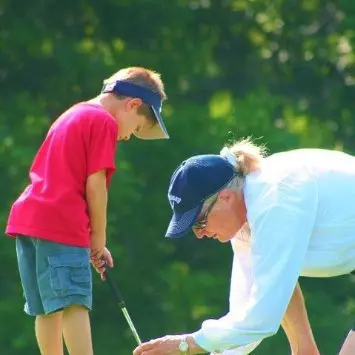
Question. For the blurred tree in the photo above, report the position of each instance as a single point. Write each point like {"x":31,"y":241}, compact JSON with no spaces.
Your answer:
{"x":281,"y":71}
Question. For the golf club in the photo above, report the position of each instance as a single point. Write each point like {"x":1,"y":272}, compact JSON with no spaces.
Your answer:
{"x":113,"y":285}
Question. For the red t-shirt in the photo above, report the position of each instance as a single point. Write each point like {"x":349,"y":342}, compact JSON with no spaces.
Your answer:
{"x":53,"y":206}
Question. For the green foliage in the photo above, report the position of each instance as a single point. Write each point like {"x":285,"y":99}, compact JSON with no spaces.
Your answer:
{"x":281,"y":71}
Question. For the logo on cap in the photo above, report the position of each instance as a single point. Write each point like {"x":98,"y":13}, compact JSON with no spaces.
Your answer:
{"x":173,"y":198}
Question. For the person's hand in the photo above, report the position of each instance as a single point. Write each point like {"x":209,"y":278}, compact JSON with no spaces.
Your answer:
{"x":98,"y":243}
{"x":168,"y":345}
{"x":100,"y":265}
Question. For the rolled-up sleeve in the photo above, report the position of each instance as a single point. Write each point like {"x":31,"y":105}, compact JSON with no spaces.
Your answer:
{"x":281,"y":225}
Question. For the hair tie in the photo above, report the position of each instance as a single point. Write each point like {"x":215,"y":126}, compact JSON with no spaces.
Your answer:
{"x":230,"y":157}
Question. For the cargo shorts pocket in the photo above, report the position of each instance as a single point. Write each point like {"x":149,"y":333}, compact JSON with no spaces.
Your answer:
{"x":69,"y":275}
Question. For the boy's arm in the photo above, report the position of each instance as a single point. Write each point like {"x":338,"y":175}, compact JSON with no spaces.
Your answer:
{"x":96,"y":196}
{"x":297,"y":327}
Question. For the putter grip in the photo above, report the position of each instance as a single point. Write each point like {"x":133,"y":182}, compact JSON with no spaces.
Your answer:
{"x":115,"y":289}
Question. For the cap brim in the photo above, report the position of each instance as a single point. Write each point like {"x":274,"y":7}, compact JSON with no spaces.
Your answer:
{"x":158,"y":131}
{"x":181,"y":223}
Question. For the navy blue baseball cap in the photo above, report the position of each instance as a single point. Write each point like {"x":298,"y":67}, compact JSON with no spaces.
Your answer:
{"x":194,"y":181}
{"x":149,"y":97}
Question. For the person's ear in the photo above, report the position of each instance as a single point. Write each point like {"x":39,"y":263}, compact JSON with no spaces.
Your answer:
{"x":226,"y":196}
{"x":133,"y":103}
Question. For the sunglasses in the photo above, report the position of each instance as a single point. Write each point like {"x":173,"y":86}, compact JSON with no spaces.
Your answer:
{"x":202,"y":223}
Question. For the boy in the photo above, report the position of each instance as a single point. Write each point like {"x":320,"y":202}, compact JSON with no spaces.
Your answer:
{"x":59,"y":221}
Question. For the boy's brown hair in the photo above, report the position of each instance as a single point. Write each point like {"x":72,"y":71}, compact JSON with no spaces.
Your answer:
{"x":143,"y":77}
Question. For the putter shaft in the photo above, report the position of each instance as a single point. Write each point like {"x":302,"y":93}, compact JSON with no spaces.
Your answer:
{"x":131,"y":325}
{"x":122,"y":305}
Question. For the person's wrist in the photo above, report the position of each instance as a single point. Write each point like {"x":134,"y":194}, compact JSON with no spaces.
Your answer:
{"x":99,"y":235}
{"x":183,"y":345}
{"x":193,"y":348}
{"x":99,"y":238}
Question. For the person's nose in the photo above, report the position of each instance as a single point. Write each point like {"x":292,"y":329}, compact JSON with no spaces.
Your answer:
{"x":201,"y":233}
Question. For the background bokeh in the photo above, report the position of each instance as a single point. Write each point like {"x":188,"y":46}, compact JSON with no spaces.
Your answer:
{"x":282,"y":71}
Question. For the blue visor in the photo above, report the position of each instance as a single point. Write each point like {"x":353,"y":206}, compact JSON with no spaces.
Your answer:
{"x":149,"y":97}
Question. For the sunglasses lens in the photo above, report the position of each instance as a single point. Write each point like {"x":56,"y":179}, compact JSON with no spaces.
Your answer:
{"x":199,"y":225}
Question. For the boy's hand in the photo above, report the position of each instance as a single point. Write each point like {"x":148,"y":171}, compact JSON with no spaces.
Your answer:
{"x":100,"y":264}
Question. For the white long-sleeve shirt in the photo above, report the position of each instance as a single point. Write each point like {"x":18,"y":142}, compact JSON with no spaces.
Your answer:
{"x":301,"y":214}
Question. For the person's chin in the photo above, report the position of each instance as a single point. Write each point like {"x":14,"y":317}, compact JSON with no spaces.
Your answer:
{"x":224,"y":239}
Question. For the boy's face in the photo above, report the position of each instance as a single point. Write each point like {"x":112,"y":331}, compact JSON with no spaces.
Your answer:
{"x":128,"y":119}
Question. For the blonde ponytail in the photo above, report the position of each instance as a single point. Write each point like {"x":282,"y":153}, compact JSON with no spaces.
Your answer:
{"x":248,"y":155}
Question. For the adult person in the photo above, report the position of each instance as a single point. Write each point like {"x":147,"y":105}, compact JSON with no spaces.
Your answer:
{"x":287,"y":215}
